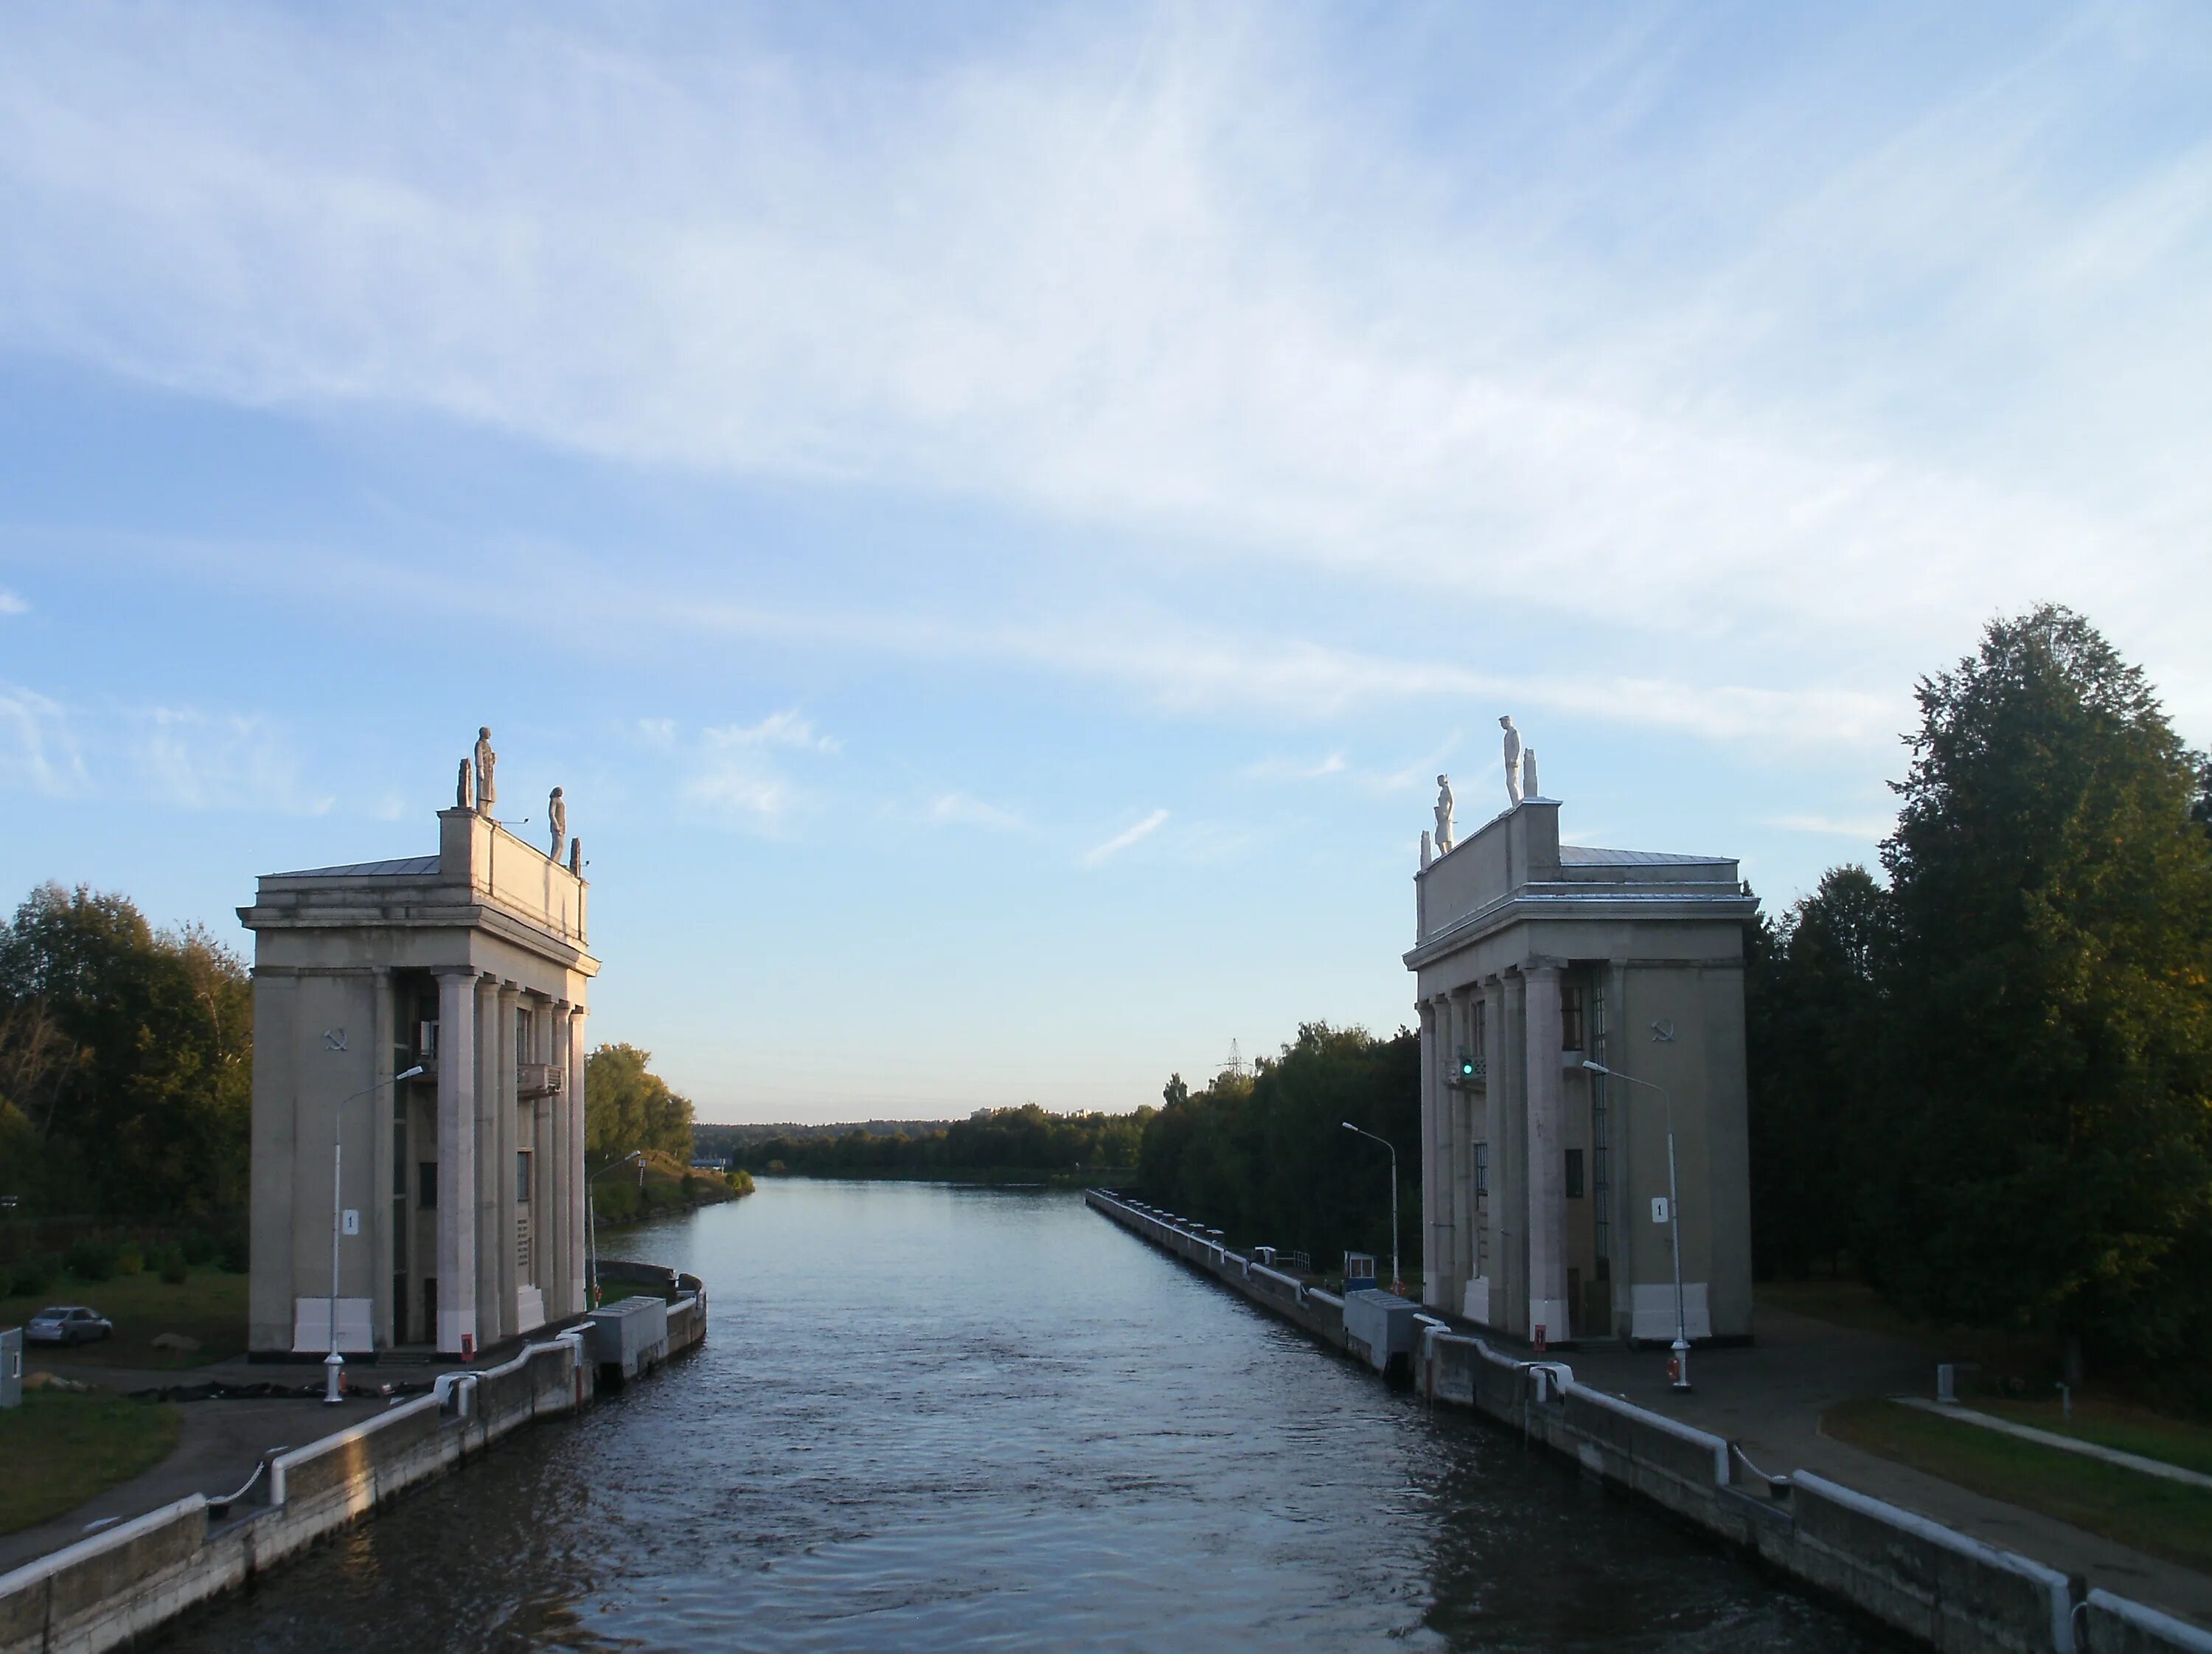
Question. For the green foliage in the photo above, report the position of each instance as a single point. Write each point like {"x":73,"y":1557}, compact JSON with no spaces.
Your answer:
{"x":627,"y":1107}
{"x":93,"y":1260}
{"x":2001,"y":1067}
{"x":197,"y":1248}
{"x":129,"y":1259}
{"x":991,"y":1140}
{"x":1266,"y":1156}
{"x":1812,"y":1004}
{"x":170,"y":1260}
{"x":31,"y":1276}
{"x":233,"y":1257}
{"x":126,"y":1061}
{"x":2048,"y":1138}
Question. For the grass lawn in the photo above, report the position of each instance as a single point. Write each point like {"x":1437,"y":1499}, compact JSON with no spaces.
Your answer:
{"x":60,"y":1449}
{"x":2164,"y":1518}
{"x":209,"y":1306}
{"x":2108,"y":1424}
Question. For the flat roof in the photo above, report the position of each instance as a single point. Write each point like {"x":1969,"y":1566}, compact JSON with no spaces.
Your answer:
{"x":1581,"y":856}
{"x":406,"y":867}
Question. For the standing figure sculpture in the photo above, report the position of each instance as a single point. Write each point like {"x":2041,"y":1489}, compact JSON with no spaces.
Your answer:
{"x":1512,"y":761}
{"x":464,"y":790}
{"x":556,"y":816}
{"x":487,"y":760}
{"x":1444,"y":815}
{"x":1529,"y":787}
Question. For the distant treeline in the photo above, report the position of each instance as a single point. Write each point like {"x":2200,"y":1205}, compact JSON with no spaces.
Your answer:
{"x":1265,"y":1155}
{"x":1025,"y":1140}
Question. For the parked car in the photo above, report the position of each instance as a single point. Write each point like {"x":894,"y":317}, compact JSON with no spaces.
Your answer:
{"x":67,"y":1323}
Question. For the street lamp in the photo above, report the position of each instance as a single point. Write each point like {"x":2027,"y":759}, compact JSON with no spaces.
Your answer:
{"x":1396,"y":1280}
{"x":1679,"y":1366}
{"x":334,"y":1364}
{"x":591,"y":1212}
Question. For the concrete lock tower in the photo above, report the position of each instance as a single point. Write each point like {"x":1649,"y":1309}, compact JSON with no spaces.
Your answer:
{"x":1579,"y":1008}
{"x":453,"y":1200}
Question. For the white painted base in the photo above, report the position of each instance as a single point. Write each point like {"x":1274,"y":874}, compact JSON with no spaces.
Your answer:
{"x":1550,"y":1313}
{"x":311,"y":1326}
{"x":529,"y":1309}
{"x":1652,"y":1310}
{"x":1475,"y":1305}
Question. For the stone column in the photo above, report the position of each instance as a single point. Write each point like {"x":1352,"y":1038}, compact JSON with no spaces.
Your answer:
{"x":1491,"y":1113}
{"x":578,"y":1171}
{"x":1463,"y":1157}
{"x":508,"y":1209}
{"x":377,"y":1215}
{"x":457,"y":1159}
{"x":1509,"y":1157}
{"x":1431,"y":1234}
{"x":1547,"y":1202}
{"x":492,"y":1046}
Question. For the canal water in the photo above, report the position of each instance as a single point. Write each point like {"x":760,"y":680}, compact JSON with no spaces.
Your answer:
{"x":929,"y":1417}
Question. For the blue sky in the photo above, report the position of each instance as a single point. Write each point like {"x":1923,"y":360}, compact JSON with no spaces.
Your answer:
{"x":996,"y":516}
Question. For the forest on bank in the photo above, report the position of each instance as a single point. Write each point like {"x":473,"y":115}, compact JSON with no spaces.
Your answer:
{"x":1023,"y":1143}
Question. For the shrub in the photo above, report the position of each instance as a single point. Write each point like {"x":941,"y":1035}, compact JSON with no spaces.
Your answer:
{"x":92,"y":1260}
{"x":170,"y":1261}
{"x":199,"y":1248}
{"x":233,"y":1256}
{"x":32,"y":1275}
{"x":129,"y":1259}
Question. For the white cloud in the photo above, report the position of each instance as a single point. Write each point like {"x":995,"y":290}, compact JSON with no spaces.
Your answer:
{"x":195,"y":760}
{"x":958,"y":809}
{"x":1294,"y":770}
{"x":735,"y":793}
{"x":787,"y":729}
{"x":1100,"y":854}
{"x":181,"y":757}
{"x":658,"y":733}
{"x":11,"y":604}
{"x":38,"y":746}
{"x":1186,"y":289}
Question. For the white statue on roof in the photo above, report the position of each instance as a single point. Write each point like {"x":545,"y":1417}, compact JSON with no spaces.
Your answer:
{"x":1444,"y":815}
{"x":1530,"y":789}
{"x":487,"y":760}
{"x":1512,"y":761}
{"x":465,"y":788}
{"x":556,"y":817}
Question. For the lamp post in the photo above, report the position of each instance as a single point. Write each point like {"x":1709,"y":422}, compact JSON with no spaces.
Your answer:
{"x":1395,"y":1279}
{"x":592,"y":1213}
{"x":334,"y":1364}
{"x":1680,"y":1375}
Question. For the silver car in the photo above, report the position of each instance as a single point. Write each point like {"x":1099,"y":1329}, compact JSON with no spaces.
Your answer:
{"x":67,"y":1323}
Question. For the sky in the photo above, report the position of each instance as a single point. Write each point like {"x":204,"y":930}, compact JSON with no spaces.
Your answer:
{"x":997,"y":516}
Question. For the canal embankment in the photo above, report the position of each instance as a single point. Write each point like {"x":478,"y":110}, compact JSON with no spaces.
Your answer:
{"x":1919,"y":1576}
{"x":114,"y":1586}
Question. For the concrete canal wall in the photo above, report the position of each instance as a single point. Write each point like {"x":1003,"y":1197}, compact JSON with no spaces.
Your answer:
{"x":102,"y":1592}
{"x":1949,"y":1591}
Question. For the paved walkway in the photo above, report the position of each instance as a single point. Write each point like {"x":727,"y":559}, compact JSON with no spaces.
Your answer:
{"x":218,"y":1443}
{"x":1769,"y":1398}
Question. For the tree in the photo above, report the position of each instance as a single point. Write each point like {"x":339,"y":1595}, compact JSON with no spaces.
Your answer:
{"x":2046,"y":1133}
{"x":1813,"y":993}
{"x":127,"y":1056}
{"x":1265,"y":1155}
{"x":627,"y":1107}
